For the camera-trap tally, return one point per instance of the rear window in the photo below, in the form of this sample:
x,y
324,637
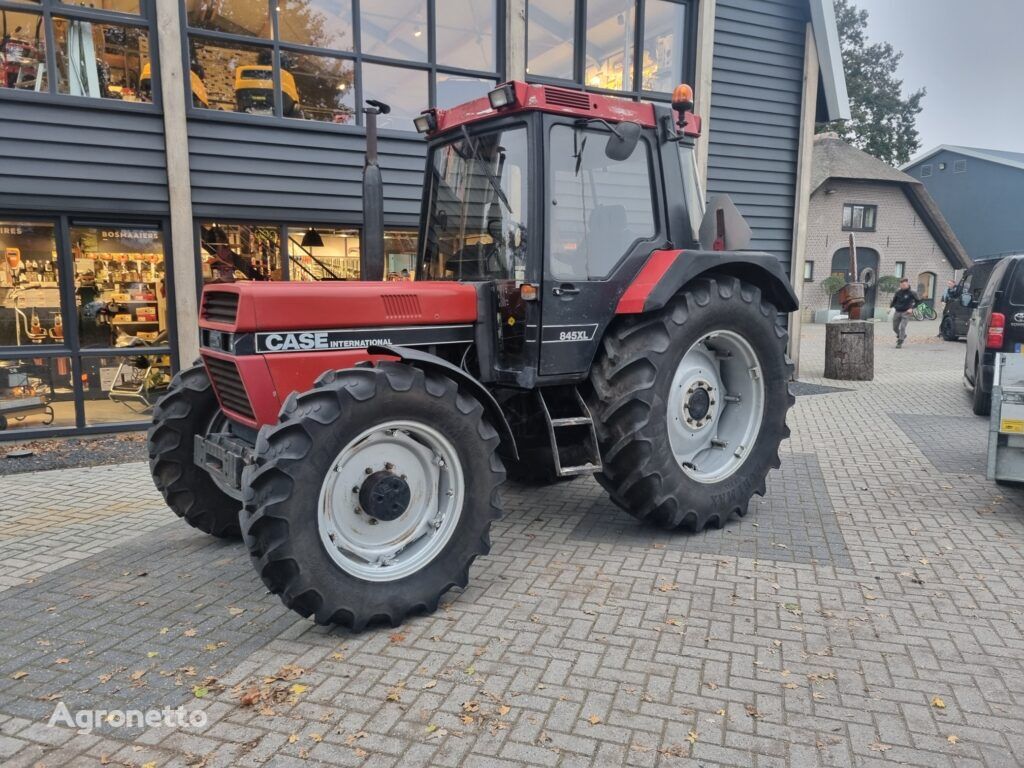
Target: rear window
x,y
1016,287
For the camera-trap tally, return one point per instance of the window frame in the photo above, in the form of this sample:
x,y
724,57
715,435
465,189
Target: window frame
x,y
579,43
355,56
48,10
900,269
71,348
866,207
809,271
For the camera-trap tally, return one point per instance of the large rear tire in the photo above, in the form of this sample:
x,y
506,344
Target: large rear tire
x,y
373,495
189,408
709,368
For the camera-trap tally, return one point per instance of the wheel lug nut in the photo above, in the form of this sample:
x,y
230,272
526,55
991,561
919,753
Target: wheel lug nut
x,y
389,466
355,489
368,470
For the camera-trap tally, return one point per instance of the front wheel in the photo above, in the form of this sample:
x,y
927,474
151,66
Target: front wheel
x,y
188,409
373,495
947,329
690,405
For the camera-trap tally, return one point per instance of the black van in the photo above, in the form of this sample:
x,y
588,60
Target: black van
x,y
956,315
996,325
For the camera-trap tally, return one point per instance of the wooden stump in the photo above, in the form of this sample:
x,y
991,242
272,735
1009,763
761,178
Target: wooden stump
x,y
850,350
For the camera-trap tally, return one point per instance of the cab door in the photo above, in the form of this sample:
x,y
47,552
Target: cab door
x,y
602,221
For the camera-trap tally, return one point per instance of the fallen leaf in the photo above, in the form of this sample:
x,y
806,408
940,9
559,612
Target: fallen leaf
x,y
236,611
720,713
594,719
470,706
466,719
923,561
504,709
292,738
667,587
164,630
952,739
338,656
431,728
298,688
250,698
152,654
19,675
137,674
878,746
471,670
429,684
354,737
200,691
397,638
190,632
150,764
753,712
692,737
62,661
711,686
938,703
790,686
316,737
360,752
869,596
793,608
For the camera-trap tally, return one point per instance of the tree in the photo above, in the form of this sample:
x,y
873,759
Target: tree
x,y
883,121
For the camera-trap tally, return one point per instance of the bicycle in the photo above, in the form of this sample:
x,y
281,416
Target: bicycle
x,y
924,312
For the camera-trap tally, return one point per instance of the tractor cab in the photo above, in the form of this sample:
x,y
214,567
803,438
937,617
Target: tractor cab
x,y
557,198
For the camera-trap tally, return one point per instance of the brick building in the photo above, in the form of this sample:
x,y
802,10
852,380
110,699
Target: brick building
x,y
897,227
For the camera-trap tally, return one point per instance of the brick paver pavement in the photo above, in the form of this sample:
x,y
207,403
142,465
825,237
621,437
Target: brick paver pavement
x,y
868,612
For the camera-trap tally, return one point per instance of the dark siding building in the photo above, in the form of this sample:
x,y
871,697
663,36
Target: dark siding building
x,y
274,135
979,192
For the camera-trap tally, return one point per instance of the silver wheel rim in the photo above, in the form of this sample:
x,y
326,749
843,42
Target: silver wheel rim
x,y
715,406
387,550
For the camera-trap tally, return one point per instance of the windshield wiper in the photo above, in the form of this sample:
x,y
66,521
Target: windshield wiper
x,y
492,180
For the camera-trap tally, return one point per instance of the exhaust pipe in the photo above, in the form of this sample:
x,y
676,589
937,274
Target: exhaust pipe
x,y
371,251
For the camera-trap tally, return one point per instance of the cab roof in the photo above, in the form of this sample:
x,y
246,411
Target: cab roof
x,y
555,100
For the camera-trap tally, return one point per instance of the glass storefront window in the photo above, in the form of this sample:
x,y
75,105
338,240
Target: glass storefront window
x,y
36,393
231,252
121,6
120,286
238,17
400,246
453,90
22,52
102,60
394,28
323,253
549,38
611,35
465,33
122,388
664,45
405,90
318,23
325,88
30,312
234,78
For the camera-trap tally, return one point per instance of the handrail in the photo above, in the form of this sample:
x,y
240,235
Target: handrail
x,y
309,253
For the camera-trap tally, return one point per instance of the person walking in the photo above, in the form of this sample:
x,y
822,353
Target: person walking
x,y
903,303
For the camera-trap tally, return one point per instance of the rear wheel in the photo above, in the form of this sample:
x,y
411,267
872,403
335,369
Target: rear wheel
x,y
690,405
373,495
981,402
947,329
188,409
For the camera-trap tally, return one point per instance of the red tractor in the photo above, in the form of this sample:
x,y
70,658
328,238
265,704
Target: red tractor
x,y
574,311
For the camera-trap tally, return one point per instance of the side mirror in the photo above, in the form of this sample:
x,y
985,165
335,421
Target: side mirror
x,y
623,141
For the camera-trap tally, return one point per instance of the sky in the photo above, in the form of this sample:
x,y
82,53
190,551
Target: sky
x,y
968,56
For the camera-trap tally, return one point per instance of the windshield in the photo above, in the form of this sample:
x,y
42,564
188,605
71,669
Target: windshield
x,y
476,226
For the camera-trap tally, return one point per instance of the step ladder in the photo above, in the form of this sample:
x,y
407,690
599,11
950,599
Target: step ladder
x,y
571,431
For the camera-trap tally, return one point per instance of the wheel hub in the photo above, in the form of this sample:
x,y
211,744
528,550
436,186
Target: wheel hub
x,y
699,403
384,496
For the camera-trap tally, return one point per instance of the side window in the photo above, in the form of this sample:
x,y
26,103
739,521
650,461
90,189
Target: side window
x,y
598,208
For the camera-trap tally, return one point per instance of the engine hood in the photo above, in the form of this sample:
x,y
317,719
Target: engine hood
x,y
254,307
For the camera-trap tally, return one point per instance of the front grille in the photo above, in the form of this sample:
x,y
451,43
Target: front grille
x,y
398,306
220,307
563,97
228,384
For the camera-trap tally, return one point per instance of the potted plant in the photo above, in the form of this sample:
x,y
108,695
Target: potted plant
x,y
833,284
